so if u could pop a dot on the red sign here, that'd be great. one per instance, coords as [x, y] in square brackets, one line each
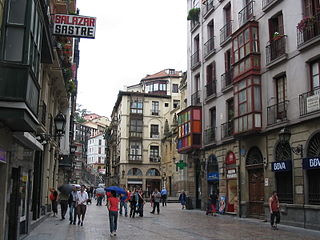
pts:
[74, 26]
[231, 158]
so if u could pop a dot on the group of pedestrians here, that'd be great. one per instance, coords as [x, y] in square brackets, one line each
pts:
[76, 200]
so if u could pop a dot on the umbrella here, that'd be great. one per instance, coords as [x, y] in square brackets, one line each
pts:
[117, 189]
[65, 188]
[100, 191]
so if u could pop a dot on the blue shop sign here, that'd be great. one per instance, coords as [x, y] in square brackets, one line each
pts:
[281, 166]
[311, 163]
[213, 176]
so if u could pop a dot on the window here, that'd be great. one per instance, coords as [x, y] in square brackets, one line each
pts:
[195, 3]
[153, 172]
[166, 104]
[211, 79]
[134, 172]
[137, 106]
[156, 87]
[281, 92]
[100, 142]
[154, 154]
[175, 88]
[176, 103]
[136, 125]
[230, 109]
[210, 30]
[99, 159]
[135, 151]
[99, 150]
[315, 79]
[155, 108]
[213, 117]
[154, 131]
[311, 8]
[276, 25]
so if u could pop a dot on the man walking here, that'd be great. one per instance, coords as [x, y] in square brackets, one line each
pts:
[63, 197]
[156, 198]
[124, 203]
[82, 197]
[274, 210]
[72, 201]
[164, 194]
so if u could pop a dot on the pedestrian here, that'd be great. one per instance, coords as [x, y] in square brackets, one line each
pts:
[72, 201]
[54, 201]
[82, 197]
[157, 198]
[274, 207]
[151, 200]
[164, 194]
[99, 198]
[63, 199]
[141, 202]
[124, 198]
[212, 204]
[113, 207]
[133, 203]
[183, 199]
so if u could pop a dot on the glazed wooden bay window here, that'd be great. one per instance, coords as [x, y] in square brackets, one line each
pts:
[246, 53]
[247, 104]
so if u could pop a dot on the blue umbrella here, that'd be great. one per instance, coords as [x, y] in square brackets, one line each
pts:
[117, 189]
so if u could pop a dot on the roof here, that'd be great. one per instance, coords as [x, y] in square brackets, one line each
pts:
[163, 74]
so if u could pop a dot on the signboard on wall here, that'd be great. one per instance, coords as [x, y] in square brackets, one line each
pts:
[213, 176]
[311, 163]
[3, 157]
[313, 103]
[281, 166]
[74, 26]
[231, 173]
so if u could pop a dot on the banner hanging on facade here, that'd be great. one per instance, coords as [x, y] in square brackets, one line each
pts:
[74, 26]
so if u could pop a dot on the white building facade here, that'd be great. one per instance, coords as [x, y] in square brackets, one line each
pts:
[96, 153]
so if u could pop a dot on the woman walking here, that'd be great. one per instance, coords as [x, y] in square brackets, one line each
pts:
[183, 199]
[133, 203]
[113, 207]
[54, 201]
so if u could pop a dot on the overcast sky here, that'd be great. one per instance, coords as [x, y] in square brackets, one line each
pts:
[133, 38]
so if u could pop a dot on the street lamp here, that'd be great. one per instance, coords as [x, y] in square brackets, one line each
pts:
[284, 136]
[60, 123]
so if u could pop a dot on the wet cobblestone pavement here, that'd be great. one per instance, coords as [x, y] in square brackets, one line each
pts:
[172, 223]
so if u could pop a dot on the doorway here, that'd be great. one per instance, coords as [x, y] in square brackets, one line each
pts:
[15, 202]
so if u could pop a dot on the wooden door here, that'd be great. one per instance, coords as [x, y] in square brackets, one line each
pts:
[256, 192]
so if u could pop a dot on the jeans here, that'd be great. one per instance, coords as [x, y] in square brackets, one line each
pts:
[156, 205]
[99, 201]
[64, 207]
[164, 200]
[125, 205]
[113, 217]
[275, 215]
[72, 212]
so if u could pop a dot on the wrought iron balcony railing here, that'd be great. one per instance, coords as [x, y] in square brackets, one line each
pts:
[226, 79]
[246, 14]
[266, 3]
[135, 157]
[210, 135]
[276, 48]
[208, 6]
[194, 25]
[225, 32]
[155, 159]
[211, 88]
[196, 98]
[209, 46]
[195, 59]
[308, 29]
[277, 113]
[309, 102]
[227, 129]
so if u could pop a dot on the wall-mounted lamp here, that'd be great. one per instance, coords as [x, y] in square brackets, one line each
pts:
[60, 123]
[284, 136]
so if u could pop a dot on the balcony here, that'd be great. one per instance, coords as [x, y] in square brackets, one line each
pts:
[225, 33]
[135, 134]
[207, 8]
[267, 4]
[196, 98]
[210, 135]
[308, 30]
[227, 129]
[309, 102]
[195, 59]
[226, 80]
[246, 14]
[276, 49]
[135, 157]
[194, 25]
[155, 159]
[211, 88]
[277, 113]
[155, 112]
[209, 47]
[155, 135]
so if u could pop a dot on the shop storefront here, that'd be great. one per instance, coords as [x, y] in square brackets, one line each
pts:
[213, 175]
[232, 192]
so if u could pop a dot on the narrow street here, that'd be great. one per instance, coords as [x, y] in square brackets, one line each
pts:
[172, 223]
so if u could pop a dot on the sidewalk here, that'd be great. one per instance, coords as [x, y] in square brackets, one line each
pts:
[172, 223]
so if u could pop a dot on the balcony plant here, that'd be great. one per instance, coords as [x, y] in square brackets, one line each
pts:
[193, 14]
[306, 22]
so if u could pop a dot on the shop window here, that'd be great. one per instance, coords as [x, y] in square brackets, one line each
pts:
[134, 172]
[313, 175]
[284, 178]
[153, 172]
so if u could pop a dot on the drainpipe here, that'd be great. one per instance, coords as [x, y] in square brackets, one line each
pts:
[239, 180]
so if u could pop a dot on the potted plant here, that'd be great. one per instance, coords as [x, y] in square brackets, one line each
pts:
[306, 22]
[276, 36]
[193, 14]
